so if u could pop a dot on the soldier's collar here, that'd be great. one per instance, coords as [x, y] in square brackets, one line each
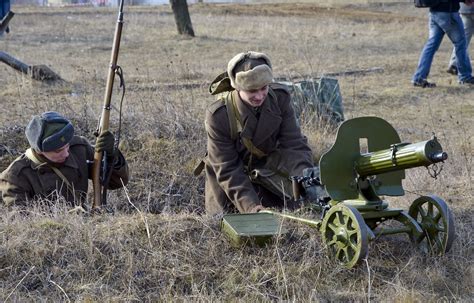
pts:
[71, 161]
[246, 109]
[38, 161]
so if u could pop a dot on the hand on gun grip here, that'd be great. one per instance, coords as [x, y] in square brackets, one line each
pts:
[311, 191]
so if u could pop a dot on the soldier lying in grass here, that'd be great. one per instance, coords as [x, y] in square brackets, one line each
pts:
[254, 143]
[58, 164]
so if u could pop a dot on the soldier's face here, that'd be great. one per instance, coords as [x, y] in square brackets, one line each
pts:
[255, 97]
[57, 156]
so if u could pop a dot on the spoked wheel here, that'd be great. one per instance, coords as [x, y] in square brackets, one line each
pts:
[436, 221]
[345, 234]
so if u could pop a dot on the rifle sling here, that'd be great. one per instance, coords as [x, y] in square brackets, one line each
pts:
[33, 157]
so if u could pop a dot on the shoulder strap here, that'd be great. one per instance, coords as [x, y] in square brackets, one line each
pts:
[30, 155]
[33, 157]
[235, 124]
[227, 100]
[233, 115]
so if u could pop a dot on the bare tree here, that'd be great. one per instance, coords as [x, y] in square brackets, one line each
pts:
[181, 17]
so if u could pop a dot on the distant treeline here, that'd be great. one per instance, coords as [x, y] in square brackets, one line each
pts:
[85, 2]
[108, 2]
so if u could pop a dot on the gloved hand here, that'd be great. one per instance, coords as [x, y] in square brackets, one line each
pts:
[311, 172]
[105, 143]
[311, 192]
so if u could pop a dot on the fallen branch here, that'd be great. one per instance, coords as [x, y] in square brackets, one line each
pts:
[36, 72]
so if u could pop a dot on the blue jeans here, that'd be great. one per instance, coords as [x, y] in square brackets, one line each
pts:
[450, 24]
[468, 21]
[4, 8]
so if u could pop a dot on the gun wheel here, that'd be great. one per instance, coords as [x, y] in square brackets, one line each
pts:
[345, 235]
[436, 221]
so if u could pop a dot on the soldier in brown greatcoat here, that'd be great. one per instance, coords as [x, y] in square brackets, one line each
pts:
[254, 143]
[58, 164]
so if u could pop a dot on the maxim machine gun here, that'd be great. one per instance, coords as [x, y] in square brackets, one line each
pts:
[355, 179]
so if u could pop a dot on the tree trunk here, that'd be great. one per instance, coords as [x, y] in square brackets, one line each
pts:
[181, 17]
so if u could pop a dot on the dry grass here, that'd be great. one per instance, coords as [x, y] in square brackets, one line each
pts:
[169, 251]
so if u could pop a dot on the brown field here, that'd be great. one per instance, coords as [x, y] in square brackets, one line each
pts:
[158, 246]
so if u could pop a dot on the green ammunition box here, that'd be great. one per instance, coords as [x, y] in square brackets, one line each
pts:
[258, 228]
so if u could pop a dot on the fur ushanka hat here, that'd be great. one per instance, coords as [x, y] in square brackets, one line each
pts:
[49, 131]
[250, 71]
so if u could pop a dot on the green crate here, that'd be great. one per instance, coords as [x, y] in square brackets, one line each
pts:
[255, 228]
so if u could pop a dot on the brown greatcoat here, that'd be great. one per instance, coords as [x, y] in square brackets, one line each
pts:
[276, 133]
[25, 180]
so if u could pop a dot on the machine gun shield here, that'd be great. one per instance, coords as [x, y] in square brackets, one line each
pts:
[337, 165]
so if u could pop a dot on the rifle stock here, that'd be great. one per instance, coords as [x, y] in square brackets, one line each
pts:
[105, 116]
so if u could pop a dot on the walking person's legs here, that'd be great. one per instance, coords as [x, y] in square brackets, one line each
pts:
[468, 24]
[436, 35]
[4, 9]
[455, 31]
[468, 21]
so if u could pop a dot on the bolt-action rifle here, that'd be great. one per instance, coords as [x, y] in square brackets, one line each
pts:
[101, 168]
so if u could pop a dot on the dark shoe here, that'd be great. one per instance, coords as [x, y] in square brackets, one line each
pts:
[469, 81]
[453, 70]
[423, 83]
